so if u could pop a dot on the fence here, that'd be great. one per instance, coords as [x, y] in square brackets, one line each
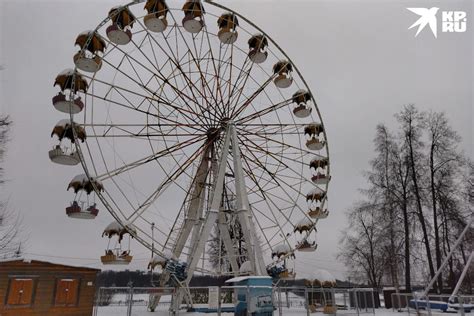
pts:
[433, 304]
[223, 300]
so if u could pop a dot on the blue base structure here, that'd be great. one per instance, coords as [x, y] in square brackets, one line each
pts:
[423, 304]
[212, 310]
[259, 291]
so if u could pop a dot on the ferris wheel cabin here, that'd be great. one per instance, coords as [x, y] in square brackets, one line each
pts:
[301, 98]
[117, 255]
[313, 132]
[157, 10]
[193, 16]
[258, 44]
[62, 154]
[70, 82]
[122, 19]
[320, 166]
[80, 208]
[227, 24]
[282, 70]
[91, 45]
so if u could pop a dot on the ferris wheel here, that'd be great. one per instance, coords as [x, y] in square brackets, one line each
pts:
[199, 135]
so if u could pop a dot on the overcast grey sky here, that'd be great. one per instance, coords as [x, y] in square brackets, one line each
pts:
[359, 58]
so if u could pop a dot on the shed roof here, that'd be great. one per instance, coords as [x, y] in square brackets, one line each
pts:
[27, 261]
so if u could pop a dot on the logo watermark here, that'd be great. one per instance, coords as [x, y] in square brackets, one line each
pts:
[451, 21]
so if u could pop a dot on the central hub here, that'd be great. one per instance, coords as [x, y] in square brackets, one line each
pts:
[213, 133]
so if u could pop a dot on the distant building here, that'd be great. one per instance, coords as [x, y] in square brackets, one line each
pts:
[32, 287]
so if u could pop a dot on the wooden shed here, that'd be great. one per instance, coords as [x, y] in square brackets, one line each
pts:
[32, 287]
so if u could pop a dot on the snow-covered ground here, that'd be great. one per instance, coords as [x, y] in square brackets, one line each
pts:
[142, 311]
[296, 304]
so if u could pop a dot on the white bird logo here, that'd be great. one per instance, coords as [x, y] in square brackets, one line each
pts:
[427, 17]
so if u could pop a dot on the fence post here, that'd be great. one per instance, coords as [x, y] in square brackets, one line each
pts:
[280, 312]
[461, 305]
[273, 298]
[219, 301]
[130, 300]
[306, 303]
[248, 300]
[428, 304]
[365, 299]
[356, 297]
[373, 300]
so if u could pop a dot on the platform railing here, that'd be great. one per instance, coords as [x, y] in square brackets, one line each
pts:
[413, 303]
[222, 300]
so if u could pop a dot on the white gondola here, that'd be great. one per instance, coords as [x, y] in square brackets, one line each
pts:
[258, 48]
[122, 21]
[156, 20]
[116, 257]
[320, 179]
[88, 58]
[315, 144]
[66, 101]
[76, 211]
[65, 104]
[301, 98]
[63, 157]
[227, 23]
[282, 70]
[193, 16]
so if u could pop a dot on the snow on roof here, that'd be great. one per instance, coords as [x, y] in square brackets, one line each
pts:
[117, 227]
[67, 72]
[29, 259]
[86, 32]
[316, 191]
[63, 122]
[246, 267]
[322, 276]
[282, 248]
[80, 178]
[166, 255]
[243, 278]
[304, 222]
[317, 159]
[114, 226]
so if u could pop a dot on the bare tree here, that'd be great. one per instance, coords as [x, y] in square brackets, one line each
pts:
[10, 221]
[444, 161]
[361, 249]
[4, 128]
[412, 124]
[382, 184]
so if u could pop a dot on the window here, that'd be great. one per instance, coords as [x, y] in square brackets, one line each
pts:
[66, 292]
[20, 292]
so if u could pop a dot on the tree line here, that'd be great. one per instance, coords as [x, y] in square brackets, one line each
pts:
[418, 197]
